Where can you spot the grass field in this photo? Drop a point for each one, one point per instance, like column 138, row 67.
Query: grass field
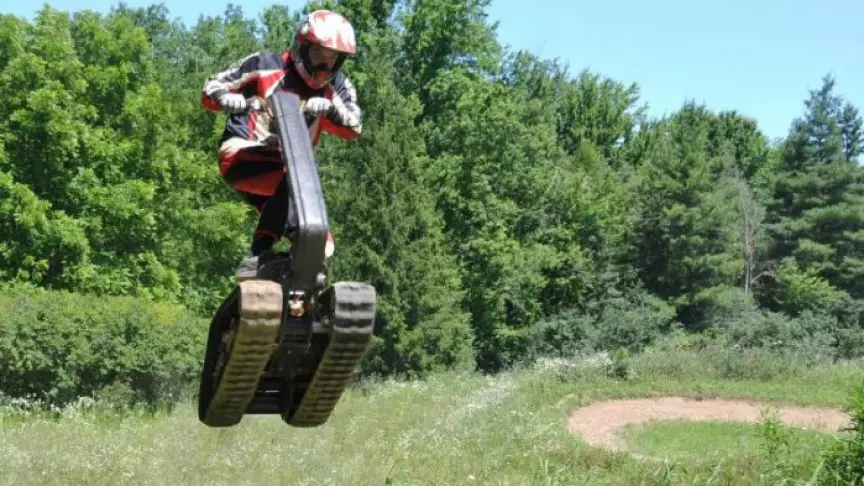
column 450, row 429
column 714, row 442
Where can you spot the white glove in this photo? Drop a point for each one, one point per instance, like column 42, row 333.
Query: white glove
column 233, row 102
column 348, row 118
column 318, row 106
column 346, row 114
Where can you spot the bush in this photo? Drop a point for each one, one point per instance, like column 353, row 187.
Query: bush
column 628, row 323
column 57, row 346
column 562, row 336
column 718, row 305
column 844, row 460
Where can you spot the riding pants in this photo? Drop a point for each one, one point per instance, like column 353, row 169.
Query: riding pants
column 256, row 172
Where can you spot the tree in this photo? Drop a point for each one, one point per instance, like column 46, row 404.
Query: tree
column 752, row 214
column 816, row 212
column 683, row 240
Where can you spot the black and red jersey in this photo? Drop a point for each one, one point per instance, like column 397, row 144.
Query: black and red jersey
column 260, row 74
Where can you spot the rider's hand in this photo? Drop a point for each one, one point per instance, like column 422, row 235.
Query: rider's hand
column 233, row 102
column 346, row 114
column 318, row 106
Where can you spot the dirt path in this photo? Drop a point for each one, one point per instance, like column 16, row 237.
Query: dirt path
column 597, row 423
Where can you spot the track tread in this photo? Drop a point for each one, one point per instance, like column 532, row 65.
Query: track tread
column 260, row 317
column 353, row 321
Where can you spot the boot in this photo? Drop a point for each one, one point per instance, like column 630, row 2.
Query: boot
column 248, row 268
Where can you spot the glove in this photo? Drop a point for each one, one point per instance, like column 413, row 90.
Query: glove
column 233, row 102
column 348, row 118
column 347, row 115
column 318, row 106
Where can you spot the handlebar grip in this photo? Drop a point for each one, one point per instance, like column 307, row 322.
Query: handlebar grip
column 255, row 103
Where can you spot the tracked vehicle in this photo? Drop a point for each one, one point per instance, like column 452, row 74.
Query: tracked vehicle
column 286, row 342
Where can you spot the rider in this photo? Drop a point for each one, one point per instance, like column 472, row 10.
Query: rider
column 249, row 156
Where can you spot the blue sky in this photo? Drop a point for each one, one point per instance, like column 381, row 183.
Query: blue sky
column 757, row 56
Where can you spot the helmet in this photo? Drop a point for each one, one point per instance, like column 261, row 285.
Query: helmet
column 327, row 29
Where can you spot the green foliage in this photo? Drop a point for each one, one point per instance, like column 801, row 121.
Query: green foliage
column 686, row 214
column 502, row 206
column 626, row 323
column 816, row 211
column 57, row 346
column 843, row 460
column 41, row 245
column 799, row 290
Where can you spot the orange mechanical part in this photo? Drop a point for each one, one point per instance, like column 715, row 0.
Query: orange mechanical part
column 296, row 307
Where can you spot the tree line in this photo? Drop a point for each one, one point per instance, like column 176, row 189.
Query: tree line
column 502, row 205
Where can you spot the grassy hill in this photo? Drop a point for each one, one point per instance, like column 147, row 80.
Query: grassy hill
column 451, row 428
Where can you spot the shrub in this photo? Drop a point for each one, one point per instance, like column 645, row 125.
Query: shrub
column 844, row 460
column 629, row 323
column 58, row 346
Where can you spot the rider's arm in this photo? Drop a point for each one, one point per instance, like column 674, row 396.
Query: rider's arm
column 236, row 77
column 345, row 120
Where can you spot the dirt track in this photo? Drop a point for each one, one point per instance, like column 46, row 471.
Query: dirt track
column 597, row 423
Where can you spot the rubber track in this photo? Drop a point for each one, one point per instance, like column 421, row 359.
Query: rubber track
column 255, row 339
column 353, row 323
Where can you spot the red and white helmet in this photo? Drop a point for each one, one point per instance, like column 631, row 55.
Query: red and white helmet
column 328, row 29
